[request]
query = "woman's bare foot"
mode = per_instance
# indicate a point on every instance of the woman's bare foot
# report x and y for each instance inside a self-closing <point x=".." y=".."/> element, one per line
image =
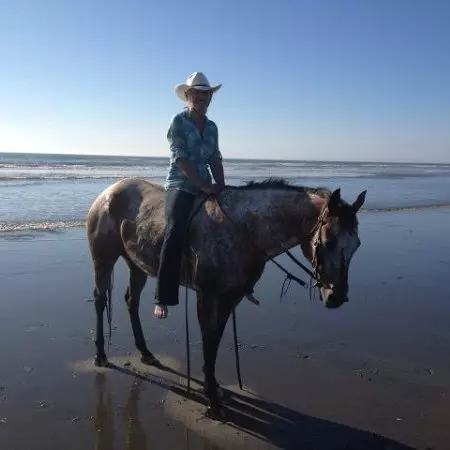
<point x="160" y="312"/>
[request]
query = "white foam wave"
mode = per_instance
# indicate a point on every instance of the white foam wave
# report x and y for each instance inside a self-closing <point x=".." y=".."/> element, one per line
<point x="49" y="226"/>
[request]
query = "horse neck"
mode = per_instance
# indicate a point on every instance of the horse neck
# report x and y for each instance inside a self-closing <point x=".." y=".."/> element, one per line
<point x="277" y="219"/>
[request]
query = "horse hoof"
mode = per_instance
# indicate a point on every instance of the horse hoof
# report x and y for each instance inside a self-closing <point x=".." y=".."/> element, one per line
<point x="150" y="360"/>
<point x="101" y="361"/>
<point x="220" y="392"/>
<point x="216" y="413"/>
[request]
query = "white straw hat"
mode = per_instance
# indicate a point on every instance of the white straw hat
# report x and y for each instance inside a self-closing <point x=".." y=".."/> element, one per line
<point x="196" y="80"/>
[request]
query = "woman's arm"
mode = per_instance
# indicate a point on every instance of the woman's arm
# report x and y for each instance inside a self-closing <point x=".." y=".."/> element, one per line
<point x="191" y="174"/>
<point x="217" y="170"/>
<point x="216" y="165"/>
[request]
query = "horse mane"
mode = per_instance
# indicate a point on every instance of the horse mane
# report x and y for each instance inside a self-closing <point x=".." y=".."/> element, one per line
<point x="281" y="183"/>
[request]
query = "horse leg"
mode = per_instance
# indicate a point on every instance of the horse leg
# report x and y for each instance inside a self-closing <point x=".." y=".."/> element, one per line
<point x="102" y="293"/>
<point x="132" y="297"/>
<point x="213" y="313"/>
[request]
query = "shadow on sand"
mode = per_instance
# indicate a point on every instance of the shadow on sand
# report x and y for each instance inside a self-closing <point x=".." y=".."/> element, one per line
<point x="259" y="419"/>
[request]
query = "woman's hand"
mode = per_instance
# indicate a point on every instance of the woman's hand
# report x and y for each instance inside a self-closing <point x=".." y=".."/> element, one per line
<point x="207" y="188"/>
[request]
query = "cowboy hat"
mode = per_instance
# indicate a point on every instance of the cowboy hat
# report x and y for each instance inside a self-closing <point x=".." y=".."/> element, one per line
<point x="196" y="80"/>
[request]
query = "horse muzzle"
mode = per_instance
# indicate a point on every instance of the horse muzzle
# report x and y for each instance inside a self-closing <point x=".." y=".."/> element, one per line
<point x="332" y="298"/>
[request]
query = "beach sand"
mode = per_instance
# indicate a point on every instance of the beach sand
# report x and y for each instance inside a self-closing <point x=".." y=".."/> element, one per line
<point x="374" y="374"/>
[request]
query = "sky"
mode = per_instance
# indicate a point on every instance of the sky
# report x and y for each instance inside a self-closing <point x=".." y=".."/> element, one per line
<point x="361" y="80"/>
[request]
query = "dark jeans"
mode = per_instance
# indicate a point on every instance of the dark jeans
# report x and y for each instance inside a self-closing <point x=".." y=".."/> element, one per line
<point x="178" y="206"/>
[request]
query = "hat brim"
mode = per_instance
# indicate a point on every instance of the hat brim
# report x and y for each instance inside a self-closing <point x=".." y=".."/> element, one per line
<point x="181" y="89"/>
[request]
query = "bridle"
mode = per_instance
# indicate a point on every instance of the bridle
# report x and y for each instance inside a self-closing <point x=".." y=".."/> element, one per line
<point x="316" y="243"/>
<point x="316" y="237"/>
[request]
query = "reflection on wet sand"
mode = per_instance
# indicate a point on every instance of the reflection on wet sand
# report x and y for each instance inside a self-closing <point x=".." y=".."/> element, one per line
<point x="104" y="426"/>
<point x="135" y="435"/>
<point x="135" y="438"/>
<point x="110" y="435"/>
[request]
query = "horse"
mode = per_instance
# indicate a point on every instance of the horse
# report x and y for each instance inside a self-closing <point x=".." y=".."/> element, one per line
<point x="230" y="238"/>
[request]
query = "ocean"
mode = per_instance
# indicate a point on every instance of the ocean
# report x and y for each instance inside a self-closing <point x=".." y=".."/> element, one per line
<point x="384" y="353"/>
<point x="43" y="192"/>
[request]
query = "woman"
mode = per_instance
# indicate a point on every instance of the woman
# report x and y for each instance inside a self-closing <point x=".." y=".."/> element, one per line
<point x="193" y="144"/>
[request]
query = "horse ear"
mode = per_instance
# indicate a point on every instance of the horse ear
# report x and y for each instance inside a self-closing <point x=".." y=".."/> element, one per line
<point x="359" y="201"/>
<point x="334" y="202"/>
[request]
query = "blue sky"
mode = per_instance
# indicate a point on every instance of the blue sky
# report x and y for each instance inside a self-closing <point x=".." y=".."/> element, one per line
<point x="316" y="79"/>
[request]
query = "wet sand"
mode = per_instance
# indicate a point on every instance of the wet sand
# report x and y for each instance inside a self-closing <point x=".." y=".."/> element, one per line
<point x="374" y="374"/>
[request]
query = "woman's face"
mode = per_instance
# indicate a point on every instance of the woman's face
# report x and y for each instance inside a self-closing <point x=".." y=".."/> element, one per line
<point x="199" y="100"/>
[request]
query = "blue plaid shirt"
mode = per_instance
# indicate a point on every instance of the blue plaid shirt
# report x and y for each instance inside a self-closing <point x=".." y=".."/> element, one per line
<point x="186" y="141"/>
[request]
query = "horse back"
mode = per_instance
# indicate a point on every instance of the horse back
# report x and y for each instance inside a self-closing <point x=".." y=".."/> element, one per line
<point x="125" y="199"/>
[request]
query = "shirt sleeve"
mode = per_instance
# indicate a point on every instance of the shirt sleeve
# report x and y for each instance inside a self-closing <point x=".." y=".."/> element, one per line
<point x="217" y="155"/>
<point x="177" y="139"/>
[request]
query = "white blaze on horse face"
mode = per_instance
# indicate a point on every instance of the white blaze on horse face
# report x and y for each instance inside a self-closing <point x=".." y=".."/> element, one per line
<point x="338" y="256"/>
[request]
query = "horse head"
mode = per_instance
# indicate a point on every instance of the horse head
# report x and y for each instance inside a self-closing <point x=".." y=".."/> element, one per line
<point x="334" y="241"/>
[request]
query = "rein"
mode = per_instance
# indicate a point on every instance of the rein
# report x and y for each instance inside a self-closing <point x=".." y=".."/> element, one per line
<point x="289" y="277"/>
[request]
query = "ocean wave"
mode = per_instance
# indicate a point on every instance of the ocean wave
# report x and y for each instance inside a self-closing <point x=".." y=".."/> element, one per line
<point x="258" y="173"/>
<point x="76" y="165"/>
<point x="424" y="207"/>
<point x="47" y="226"/>
<point x="61" y="177"/>
<point x="36" y="166"/>
<point x="33" y="168"/>
<point x="58" y="177"/>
